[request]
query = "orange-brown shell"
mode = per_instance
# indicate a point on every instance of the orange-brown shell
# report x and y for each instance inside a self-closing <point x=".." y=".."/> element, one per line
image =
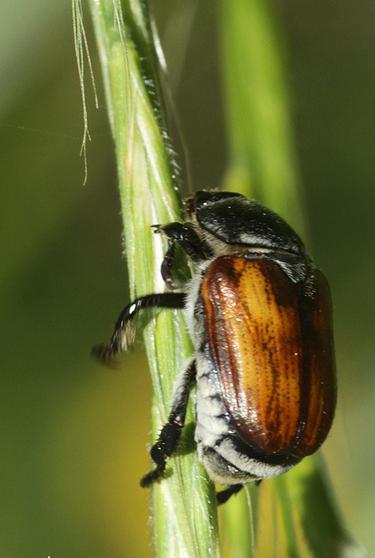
<point x="272" y="348"/>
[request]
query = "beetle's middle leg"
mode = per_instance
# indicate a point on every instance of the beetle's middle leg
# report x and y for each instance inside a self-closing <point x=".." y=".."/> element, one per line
<point x="170" y="434"/>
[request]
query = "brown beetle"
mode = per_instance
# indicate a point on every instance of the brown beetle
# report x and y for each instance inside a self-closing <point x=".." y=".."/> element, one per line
<point x="260" y="317"/>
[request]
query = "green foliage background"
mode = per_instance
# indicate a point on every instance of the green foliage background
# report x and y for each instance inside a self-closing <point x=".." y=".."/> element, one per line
<point x="74" y="434"/>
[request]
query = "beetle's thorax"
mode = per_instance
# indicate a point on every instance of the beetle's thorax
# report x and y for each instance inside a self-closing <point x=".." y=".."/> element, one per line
<point x="217" y="247"/>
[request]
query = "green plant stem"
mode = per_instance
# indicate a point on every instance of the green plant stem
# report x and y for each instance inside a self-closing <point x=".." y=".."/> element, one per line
<point x="183" y="515"/>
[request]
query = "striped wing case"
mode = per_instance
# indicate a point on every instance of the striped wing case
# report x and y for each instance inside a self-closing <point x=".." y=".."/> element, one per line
<point x="270" y="342"/>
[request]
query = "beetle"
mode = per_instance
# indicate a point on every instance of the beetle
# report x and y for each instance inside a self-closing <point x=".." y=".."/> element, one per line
<point x="260" y="317"/>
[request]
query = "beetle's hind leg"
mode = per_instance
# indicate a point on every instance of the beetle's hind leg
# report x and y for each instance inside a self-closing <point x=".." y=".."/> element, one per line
<point x="170" y="434"/>
<point x="224" y="495"/>
<point x="123" y="332"/>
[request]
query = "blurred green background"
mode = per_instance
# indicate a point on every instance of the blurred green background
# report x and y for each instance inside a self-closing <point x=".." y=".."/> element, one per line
<point x="74" y="435"/>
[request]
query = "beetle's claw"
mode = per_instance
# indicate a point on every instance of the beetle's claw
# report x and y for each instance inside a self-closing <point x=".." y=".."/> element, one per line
<point x="189" y="204"/>
<point x="106" y="354"/>
<point x="158" y="229"/>
<point x="101" y="352"/>
<point x="170" y="283"/>
<point x="152" y="476"/>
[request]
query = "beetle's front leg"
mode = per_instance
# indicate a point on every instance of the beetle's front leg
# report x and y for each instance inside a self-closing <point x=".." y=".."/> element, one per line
<point x="167" y="264"/>
<point x="190" y="242"/>
<point x="123" y="331"/>
<point x="170" y="434"/>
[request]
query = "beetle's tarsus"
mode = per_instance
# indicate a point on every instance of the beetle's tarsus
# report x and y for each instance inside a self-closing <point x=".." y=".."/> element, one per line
<point x="169" y="436"/>
<point x="164" y="447"/>
<point x="152" y="476"/>
<point x="106" y="355"/>
<point x="124" y="333"/>
<point x="224" y="495"/>
<point x="167" y="265"/>
<point x="103" y="352"/>
<point x="158" y="229"/>
<point x="168" y="260"/>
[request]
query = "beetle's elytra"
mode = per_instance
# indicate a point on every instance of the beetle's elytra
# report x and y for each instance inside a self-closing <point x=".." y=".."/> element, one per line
<point x="260" y="317"/>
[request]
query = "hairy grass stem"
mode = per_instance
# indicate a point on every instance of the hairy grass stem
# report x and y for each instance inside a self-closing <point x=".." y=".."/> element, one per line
<point x="183" y="514"/>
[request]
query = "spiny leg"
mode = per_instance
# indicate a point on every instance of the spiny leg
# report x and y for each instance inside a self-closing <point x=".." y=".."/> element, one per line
<point x="119" y="338"/>
<point x="185" y="235"/>
<point x="224" y="495"/>
<point x="170" y="434"/>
